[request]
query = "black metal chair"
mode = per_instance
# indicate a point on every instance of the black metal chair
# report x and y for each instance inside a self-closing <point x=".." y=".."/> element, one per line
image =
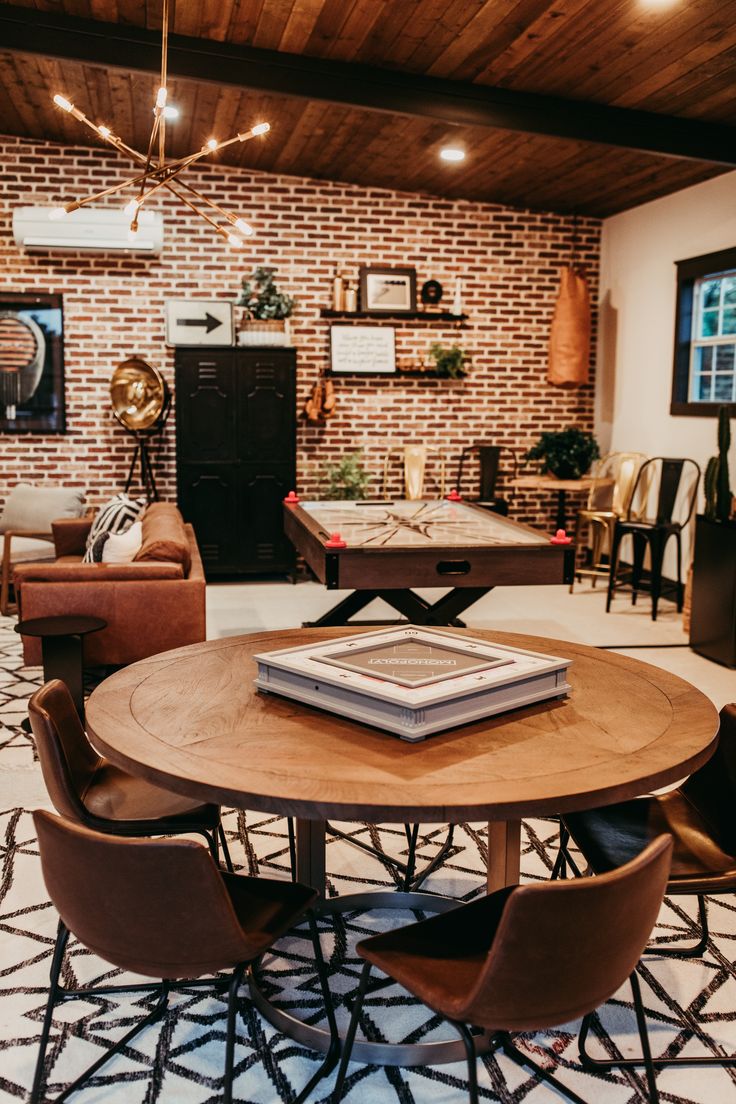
<point x="673" y="485"/>
<point x="489" y="457"/>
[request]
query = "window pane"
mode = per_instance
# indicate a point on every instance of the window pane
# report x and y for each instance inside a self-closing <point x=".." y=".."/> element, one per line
<point x="724" y="358"/>
<point x="709" y="324"/>
<point x="729" y="321"/>
<point x="711" y="293"/>
<point x="704" y="358"/>
<point x="729" y="290"/>
<point x="702" y="387"/>
<point x="723" y="390"/>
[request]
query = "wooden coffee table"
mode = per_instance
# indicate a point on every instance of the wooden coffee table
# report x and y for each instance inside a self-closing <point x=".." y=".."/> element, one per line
<point x="192" y="721"/>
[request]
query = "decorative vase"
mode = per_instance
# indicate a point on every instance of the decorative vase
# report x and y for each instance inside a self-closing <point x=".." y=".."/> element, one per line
<point x="258" y="331"/>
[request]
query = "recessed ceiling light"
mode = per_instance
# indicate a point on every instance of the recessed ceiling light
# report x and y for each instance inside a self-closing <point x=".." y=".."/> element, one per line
<point x="452" y="153"/>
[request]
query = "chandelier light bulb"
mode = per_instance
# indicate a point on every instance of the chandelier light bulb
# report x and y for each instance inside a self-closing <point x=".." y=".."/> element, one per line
<point x="57" y="213"/>
<point x="104" y="131"/>
<point x="261" y="128"/>
<point x="132" y="234"/>
<point x="235" y="239"/>
<point x="161" y="99"/>
<point x="244" y="227"/>
<point x="131" y="208"/>
<point x="212" y="144"/>
<point x="63" y="103"/>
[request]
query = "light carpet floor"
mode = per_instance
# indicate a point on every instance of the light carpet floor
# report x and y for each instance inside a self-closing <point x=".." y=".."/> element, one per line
<point x="691" y="1004"/>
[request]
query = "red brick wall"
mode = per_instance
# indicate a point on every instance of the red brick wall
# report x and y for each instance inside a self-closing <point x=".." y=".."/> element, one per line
<point x="114" y="307"/>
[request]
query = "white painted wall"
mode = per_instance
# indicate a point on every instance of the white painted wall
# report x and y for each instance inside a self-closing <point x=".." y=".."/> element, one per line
<point x="637" y="302"/>
<point x="637" y="320"/>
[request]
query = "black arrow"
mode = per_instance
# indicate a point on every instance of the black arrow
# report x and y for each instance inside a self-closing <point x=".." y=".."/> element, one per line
<point x="209" y="321"/>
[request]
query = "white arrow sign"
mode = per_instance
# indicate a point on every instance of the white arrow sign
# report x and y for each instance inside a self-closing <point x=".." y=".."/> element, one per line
<point x="199" y="322"/>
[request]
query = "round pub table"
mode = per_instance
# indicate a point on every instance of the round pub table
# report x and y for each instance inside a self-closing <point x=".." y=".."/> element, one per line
<point x="191" y="720"/>
<point x="62" y="649"/>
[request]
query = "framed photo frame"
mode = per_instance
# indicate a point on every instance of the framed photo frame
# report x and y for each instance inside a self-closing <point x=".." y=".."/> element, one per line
<point x="383" y="288"/>
<point x="31" y="363"/>
<point x="363" y="350"/>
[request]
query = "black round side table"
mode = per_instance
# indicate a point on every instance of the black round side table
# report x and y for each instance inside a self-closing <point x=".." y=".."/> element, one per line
<point x="62" y="650"/>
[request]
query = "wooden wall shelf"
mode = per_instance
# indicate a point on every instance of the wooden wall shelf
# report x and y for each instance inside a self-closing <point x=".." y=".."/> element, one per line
<point x="409" y="316"/>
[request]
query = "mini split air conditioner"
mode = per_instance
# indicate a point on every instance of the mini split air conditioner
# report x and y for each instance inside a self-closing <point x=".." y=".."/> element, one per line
<point x="97" y="229"/>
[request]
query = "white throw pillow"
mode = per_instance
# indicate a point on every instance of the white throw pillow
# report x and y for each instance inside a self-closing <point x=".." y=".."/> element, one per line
<point x="122" y="547"/>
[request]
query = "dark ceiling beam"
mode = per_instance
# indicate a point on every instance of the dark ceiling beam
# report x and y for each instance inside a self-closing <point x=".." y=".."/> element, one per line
<point x="458" y="103"/>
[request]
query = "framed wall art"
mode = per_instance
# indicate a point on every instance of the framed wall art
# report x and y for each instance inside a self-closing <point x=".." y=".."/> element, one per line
<point x="388" y="289"/>
<point x="31" y="363"/>
<point x="363" y="350"/>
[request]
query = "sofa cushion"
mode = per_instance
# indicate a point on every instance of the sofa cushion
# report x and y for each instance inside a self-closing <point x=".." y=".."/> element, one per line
<point x="122" y="547"/>
<point x="164" y="536"/>
<point x="28" y="549"/>
<point x="115" y="516"/>
<point x="32" y="509"/>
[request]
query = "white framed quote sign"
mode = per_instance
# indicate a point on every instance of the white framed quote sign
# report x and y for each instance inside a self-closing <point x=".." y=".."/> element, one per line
<point x="363" y="350"/>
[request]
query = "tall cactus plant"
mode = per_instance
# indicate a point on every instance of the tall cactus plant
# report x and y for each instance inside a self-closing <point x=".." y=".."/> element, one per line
<point x="716" y="483"/>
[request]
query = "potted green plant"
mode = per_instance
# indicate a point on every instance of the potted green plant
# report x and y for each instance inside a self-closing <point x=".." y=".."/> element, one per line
<point x="713" y="615"/>
<point x="347" y="479"/>
<point x="450" y="362"/>
<point x="266" y="310"/>
<point x="566" y="453"/>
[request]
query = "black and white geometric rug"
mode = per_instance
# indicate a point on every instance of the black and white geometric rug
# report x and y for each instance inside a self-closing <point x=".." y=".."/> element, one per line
<point x="691" y="1004"/>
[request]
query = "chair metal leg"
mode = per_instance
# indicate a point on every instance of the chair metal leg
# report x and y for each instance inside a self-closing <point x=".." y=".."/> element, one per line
<point x="410" y="880"/>
<point x="559" y="870"/>
<point x="62" y="937"/>
<point x="333" y="1053"/>
<point x="225" y="848"/>
<point x="156" y="1012"/>
<point x="350" y="1037"/>
<point x="602" y="1064"/>
<point x="613" y="566"/>
<point x="697" y="949"/>
<point x="523" y="1059"/>
<point x="292" y="846"/>
<point x="232" y="1008"/>
<point x="464" y="1033"/>
<point x="641" y="1024"/>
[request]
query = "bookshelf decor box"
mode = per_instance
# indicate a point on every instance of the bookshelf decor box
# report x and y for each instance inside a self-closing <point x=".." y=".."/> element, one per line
<point x="410" y="680"/>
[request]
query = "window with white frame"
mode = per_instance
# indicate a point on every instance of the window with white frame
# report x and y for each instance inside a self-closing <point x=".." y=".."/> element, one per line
<point x="704" y="374"/>
<point x="713" y="343"/>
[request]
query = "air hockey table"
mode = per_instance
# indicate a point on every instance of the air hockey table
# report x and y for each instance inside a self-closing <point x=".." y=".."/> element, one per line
<point x="380" y="549"/>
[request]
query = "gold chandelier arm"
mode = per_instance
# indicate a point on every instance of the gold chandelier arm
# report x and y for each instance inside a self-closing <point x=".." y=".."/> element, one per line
<point x="133" y="182"/>
<point x="210" y="202"/>
<point x="164" y="83"/>
<point x="193" y="207"/>
<point x="205" y="151"/>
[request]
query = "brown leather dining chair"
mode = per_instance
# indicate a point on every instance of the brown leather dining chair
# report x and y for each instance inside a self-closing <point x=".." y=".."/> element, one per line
<point x="87" y="788"/>
<point x="163" y="909"/>
<point x="699" y="815"/>
<point x="525" y="958"/>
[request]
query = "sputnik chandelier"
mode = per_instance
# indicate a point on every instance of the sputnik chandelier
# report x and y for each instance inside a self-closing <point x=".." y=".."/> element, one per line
<point x="156" y="171"/>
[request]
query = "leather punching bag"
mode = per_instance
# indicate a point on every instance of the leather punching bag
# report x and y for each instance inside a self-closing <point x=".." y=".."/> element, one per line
<point x="569" y="339"/>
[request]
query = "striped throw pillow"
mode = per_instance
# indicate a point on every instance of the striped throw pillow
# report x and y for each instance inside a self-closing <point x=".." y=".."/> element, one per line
<point x="115" y="516"/>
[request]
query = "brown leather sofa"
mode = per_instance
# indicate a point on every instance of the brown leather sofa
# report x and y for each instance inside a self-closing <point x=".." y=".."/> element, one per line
<point x="155" y="603"/>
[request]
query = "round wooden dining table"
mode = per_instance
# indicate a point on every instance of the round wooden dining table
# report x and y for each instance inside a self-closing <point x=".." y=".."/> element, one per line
<point x="192" y="720"/>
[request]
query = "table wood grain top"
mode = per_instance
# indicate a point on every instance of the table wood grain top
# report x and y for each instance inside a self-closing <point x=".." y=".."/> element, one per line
<point x="192" y="720"/>
<point x="552" y="483"/>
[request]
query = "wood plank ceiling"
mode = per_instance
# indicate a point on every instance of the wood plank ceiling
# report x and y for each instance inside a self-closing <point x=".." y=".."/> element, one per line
<point x="676" y="60"/>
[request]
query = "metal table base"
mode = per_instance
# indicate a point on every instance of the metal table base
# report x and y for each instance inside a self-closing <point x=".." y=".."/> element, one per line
<point x="378" y="1054"/>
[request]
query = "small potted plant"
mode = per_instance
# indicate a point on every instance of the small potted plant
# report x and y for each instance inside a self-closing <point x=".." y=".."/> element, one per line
<point x="450" y="362"/>
<point x="347" y="479"/>
<point x="713" y="614"/>
<point x="566" y="453"/>
<point x="266" y="310"/>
